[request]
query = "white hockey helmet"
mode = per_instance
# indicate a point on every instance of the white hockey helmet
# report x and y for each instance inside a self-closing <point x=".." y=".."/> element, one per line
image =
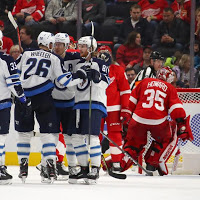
<point x="1" y="36"/>
<point x="45" y="38"/>
<point x="90" y="42"/>
<point x="62" y="38"/>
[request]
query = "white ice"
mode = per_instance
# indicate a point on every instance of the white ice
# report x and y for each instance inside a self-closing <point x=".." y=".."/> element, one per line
<point x="135" y="187"/>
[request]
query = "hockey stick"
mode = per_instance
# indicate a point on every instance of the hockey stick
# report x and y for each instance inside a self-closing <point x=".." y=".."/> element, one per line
<point x="126" y="154"/>
<point x="12" y="20"/>
<point x="110" y="172"/>
<point x="90" y="98"/>
<point x="176" y="157"/>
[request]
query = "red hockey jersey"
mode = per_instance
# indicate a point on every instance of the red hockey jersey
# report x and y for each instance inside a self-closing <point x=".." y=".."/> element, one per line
<point x="154" y="9"/>
<point x="35" y="8"/>
<point x="183" y="10"/>
<point x="118" y="92"/>
<point x="152" y="100"/>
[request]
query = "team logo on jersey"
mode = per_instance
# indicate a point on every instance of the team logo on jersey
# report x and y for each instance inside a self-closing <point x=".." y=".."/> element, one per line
<point x="83" y="86"/>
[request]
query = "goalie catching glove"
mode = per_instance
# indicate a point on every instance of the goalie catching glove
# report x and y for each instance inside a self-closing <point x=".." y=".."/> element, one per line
<point x="183" y="129"/>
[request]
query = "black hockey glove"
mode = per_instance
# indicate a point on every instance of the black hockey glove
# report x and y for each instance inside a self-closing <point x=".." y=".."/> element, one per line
<point x="24" y="106"/>
<point x="81" y="73"/>
<point x="96" y="76"/>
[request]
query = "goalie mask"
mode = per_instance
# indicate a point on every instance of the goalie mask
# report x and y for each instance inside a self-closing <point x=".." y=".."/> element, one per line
<point x="45" y="38"/>
<point x="165" y="74"/>
<point x="63" y="38"/>
<point x="105" y="53"/>
<point x="90" y="42"/>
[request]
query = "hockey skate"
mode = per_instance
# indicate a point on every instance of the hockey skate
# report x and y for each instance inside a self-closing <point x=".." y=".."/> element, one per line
<point x="5" y="178"/>
<point x="51" y="171"/>
<point x="116" y="167"/>
<point x="23" y="169"/>
<point x="62" y="173"/>
<point x="152" y="169"/>
<point x="93" y="175"/>
<point x="76" y="174"/>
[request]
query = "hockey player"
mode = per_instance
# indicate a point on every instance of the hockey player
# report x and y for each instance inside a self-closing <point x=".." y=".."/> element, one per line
<point x="90" y="105"/>
<point x="118" y="93"/>
<point x="157" y="61"/>
<point x="9" y="82"/>
<point x="64" y="99"/>
<point x="39" y="70"/>
<point x="149" y="105"/>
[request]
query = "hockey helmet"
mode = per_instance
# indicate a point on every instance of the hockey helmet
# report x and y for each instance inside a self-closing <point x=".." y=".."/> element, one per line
<point x="155" y="55"/>
<point x="90" y="42"/>
<point x="165" y="74"/>
<point x="45" y="38"/>
<point x="105" y="53"/>
<point x="62" y="38"/>
<point x="1" y="41"/>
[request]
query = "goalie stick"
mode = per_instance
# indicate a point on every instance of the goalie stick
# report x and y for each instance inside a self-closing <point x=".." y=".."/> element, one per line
<point x="125" y="153"/>
<point x="110" y="172"/>
<point x="12" y="20"/>
<point x="176" y="157"/>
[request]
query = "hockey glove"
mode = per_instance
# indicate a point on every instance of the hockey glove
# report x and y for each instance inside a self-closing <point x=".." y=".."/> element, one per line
<point x="81" y="73"/>
<point x="125" y="116"/>
<point x="96" y="76"/>
<point x="87" y="71"/>
<point x="183" y="129"/>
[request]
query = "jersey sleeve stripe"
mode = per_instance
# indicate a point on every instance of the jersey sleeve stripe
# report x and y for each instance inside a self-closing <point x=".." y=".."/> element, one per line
<point x="133" y="100"/>
<point x="178" y="105"/>
<point x="148" y="121"/>
<point x="125" y="92"/>
<point x="113" y="108"/>
<point x="126" y="110"/>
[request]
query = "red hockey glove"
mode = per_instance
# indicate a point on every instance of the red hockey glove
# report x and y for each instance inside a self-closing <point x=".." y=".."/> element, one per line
<point x="125" y="116"/>
<point x="183" y="129"/>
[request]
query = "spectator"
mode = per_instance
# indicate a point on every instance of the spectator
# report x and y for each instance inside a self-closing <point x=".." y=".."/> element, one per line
<point x="152" y="10"/>
<point x="130" y="53"/>
<point x="95" y="11"/>
<point x="185" y="66"/>
<point x="26" y="39"/>
<point x="170" y="35"/>
<point x="197" y="24"/>
<point x="7" y="42"/>
<point x="60" y="16"/>
<point x="146" y="61"/>
<point x="182" y="9"/>
<point x="15" y="51"/>
<point x="136" y="23"/>
<point x="131" y="74"/>
<point x="29" y="12"/>
<point x="72" y="45"/>
<point x="175" y="78"/>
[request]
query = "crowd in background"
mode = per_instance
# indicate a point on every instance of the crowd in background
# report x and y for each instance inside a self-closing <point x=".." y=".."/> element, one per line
<point x="133" y="29"/>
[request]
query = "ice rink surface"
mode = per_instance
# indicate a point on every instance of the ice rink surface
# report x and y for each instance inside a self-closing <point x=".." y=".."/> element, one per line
<point x="135" y="187"/>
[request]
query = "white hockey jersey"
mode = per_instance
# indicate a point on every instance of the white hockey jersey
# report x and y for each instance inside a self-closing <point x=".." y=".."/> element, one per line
<point x="64" y="97"/>
<point x="98" y="93"/>
<point x="9" y="81"/>
<point x="39" y="69"/>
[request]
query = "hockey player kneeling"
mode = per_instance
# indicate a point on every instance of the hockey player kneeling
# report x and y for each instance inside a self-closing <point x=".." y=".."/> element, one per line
<point x="150" y="103"/>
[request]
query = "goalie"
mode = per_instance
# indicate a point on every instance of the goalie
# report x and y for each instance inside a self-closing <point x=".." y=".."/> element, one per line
<point x="150" y="103"/>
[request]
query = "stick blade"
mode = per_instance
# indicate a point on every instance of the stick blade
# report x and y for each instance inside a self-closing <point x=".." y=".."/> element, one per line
<point x="12" y="20"/>
<point x="117" y="176"/>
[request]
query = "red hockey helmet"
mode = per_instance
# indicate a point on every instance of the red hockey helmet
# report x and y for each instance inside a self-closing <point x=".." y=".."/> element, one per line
<point x="105" y="48"/>
<point x="165" y="74"/>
